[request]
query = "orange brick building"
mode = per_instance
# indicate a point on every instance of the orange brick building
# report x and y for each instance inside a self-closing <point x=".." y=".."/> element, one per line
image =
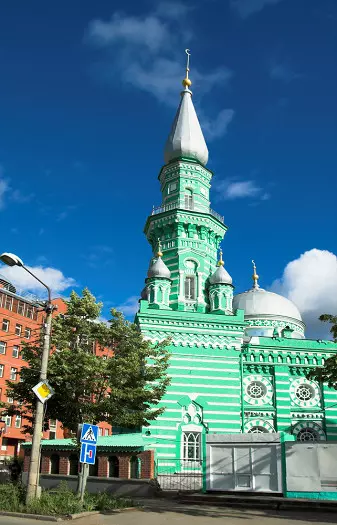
<point x="21" y="320"/>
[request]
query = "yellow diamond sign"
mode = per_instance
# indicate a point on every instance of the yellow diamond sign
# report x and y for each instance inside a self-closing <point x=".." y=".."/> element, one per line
<point x="43" y="391"/>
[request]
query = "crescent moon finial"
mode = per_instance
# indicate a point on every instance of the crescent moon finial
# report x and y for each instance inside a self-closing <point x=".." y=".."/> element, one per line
<point x="187" y="82"/>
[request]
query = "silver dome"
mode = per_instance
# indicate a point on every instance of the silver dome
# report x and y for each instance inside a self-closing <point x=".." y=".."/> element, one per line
<point x="220" y="276"/>
<point x="159" y="269"/>
<point x="258" y="302"/>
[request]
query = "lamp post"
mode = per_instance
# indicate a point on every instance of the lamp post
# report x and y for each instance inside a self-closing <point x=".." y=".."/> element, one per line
<point x="33" y="475"/>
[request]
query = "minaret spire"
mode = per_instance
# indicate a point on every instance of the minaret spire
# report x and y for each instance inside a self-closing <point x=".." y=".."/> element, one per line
<point x="186" y="139"/>
<point x="255" y="277"/>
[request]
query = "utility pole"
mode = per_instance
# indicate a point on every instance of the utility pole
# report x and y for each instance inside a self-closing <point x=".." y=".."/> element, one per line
<point x="34" y="466"/>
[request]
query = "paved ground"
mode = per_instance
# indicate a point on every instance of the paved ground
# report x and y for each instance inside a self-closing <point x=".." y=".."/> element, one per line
<point x="172" y="513"/>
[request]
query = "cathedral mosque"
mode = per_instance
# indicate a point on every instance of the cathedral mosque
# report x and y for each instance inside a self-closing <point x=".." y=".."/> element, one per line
<point x="238" y="362"/>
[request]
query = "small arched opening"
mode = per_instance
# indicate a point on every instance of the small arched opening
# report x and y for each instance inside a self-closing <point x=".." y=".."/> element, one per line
<point x="134" y="467"/>
<point x="54" y="464"/>
<point x="113" y="467"/>
<point x="73" y="465"/>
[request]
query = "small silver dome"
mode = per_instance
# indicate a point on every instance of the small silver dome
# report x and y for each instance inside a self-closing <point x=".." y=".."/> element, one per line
<point x="159" y="269"/>
<point x="220" y="276"/>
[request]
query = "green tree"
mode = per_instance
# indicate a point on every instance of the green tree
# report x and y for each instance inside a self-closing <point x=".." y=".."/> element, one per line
<point x="122" y="391"/>
<point x="327" y="373"/>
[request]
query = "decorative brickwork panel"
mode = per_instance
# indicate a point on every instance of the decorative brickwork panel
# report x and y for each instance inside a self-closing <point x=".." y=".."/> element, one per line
<point x="26" y="461"/>
<point x="147" y="464"/>
<point x="103" y="467"/>
<point x="124" y="466"/>
<point x="64" y="464"/>
<point x="45" y="464"/>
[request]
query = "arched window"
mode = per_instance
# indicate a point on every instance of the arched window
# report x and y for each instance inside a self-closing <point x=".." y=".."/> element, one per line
<point x="73" y="465"/>
<point x="189" y="287"/>
<point x="191" y="446"/>
<point x="257" y="430"/>
<point x="54" y="464"/>
<point x="188" y="199"/>
<point x="113" y="467"/>
<point x="134" y="467"/>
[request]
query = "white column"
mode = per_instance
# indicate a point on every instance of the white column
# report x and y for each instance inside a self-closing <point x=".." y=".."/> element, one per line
<point x="200" y="295"/>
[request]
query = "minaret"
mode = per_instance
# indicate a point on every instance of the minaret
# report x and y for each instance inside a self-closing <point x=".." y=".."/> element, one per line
<point x="189" y="230"/>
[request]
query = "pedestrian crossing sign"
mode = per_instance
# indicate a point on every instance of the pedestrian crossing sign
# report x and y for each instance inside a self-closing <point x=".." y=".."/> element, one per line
<point x="89" y="434"/>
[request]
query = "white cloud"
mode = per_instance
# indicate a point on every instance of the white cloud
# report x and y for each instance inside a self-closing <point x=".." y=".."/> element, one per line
<point x="311" y="283"/>
<point x="218" y="127"/>
<point x="142" y="51"/>
<point x="229" y="189"/>
<point x="51" y="276"/>
<point x="129" y="307"/>
<point x="4" y="188"/>
<point x="245" y="8"/>
<point x="20" y="197"/>
<point x="282" y="72"/>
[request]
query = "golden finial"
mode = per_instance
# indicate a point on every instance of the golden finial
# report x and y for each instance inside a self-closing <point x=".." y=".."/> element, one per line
<point x="220" y="262"/>
<point x="159" y="252"/>
<point x="255" y="276"/>
<point x="187" y="82"/>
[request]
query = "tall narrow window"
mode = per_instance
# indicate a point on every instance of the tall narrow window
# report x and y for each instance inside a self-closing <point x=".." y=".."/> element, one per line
<point x="18" y="329"/>
<point x="15" y="351"/>
<point x="13" y="374"/>
<point x="188" y="199"/>
<point x="189" y="287"/>
<point x="5" y="325"/>
<point x="191" y="448"/>
<point x="3" y="345"/>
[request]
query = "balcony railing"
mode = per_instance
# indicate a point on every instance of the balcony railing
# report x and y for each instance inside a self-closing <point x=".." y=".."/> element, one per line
<point x="175" y="205"/>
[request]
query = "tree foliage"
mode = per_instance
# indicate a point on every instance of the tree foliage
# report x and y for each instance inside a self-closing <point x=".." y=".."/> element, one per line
<point x="327" y="373"/>
<point x="122" y="390"/>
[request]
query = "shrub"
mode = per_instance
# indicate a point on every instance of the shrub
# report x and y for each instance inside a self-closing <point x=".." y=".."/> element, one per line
<point x="60" y="502"/>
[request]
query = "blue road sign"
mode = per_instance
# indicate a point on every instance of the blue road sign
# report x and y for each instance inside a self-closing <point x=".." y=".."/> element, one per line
<point x="89" y="434"/>
<point x="88" y="453"/>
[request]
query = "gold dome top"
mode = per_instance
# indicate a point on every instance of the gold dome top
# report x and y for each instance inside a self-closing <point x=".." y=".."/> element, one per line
<point x="220" y="261"/>
<point x="159" y="252"/>
<point x="255" y="276"/>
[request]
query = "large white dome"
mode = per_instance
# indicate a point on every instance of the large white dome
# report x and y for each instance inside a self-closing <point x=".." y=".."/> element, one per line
<point x="258" y="301"/>
<point x="265" y="311"/>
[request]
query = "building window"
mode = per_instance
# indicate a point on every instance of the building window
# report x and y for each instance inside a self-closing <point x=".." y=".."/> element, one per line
<point x="100" y="431"/>
<point x="21" y="308"/>
<point x="305" y="392"/>
<point x="17" y="422"/>
<point x="5" y="325"/>
<point x="27" y="332"/>
<point x="9" y="303"/>
<point x="3" y="347"/>
<point x="257" y="430"/>
<point x="308" y="434"/>
<point x="256" y="390"/>
<point x="106" y="431"/>
<point x="52" y="428"/>
<point x="189" y="287"/>
<point x="18" y="330"/>
<point x="191" y="446"/>
<point x="13" y="374"/>
<point x="29" y="311"/>
<point x="15" y="351"/>
<point x="2" y="370"/>
<point x="10" y="400"/>
<point x="189" y="200"/>
<point x="7" y="420"/>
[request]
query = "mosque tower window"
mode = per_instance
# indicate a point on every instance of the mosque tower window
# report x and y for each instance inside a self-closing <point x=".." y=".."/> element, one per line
<point x="191" y="446"/>
<point x="189" y="287"/>
<point x="189" y="199"/>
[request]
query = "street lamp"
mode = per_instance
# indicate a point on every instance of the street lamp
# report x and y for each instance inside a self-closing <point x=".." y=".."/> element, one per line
<point x="33" y="475"/>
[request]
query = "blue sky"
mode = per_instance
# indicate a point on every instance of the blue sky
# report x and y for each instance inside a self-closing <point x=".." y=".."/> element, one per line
<point x="88" y="93"/>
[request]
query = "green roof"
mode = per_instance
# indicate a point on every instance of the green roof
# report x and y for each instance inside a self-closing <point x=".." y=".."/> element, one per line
<point x="120" y="442"/>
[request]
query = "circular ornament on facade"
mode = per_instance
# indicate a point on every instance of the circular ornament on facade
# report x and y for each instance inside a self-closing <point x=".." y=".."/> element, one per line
<point x="257" y="390"/>
<point x="307" y="431"/>
<point x="258" y="426"/>
<point x="304" y="393"/>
